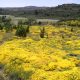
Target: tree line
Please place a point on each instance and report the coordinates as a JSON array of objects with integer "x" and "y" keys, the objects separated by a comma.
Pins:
[{"x": 65, "y": 11}]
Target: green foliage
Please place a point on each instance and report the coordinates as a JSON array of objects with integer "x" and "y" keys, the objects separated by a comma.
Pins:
[
  {"x": 42, "y": 33},
  {"x": 5, "y": 23},
  {"x": 21, "y": 31},
  {"x": 65, "y": 11},
  {"x": 3, "y": 18},
  {"x": 31, "y": 21},
  {"x": 73, "y": 23},
  {"x": 27, "y": 29},
  {"x": 1, "y": 27},
  {"x": 39, "y": 23},
  {"x": 8, "y": 27},
  {"x": 20, "y": 23}
]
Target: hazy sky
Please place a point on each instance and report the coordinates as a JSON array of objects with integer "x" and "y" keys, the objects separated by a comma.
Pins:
[{"x": 18, "y": 3}]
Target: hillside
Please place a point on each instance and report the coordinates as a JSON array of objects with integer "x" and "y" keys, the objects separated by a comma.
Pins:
[
  {"x": 54, "y": 58},
  {"x": 40, "y": 49},
  {"x": 65, "y": 11}
]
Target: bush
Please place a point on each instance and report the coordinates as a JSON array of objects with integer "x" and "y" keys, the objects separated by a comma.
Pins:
[
  {"x": 31, "y": 21},
  {"x": 8, "y": 27},
  {"x": 21, "y": 32}
]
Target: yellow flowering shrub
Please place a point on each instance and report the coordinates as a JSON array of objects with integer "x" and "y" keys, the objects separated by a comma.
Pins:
[{"x": 53, "y": 58}]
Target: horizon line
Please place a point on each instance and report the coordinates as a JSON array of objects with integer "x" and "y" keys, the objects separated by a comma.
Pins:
[{"x": 34, "y": 6}]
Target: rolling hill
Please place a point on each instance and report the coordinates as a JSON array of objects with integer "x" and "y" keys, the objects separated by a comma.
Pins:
[{"x": 65, "y": 11}]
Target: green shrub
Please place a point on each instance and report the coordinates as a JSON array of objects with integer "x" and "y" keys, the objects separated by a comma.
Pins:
[{"x": 21, "y": 32}]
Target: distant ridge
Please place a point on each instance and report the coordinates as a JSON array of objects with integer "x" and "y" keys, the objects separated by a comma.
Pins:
[
  {"x": 25, "y": 8},
  {"x": 65, "y": 11}
]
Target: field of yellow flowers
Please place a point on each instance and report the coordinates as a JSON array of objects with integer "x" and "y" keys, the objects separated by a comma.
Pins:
[{"x": 56, "y": 57}]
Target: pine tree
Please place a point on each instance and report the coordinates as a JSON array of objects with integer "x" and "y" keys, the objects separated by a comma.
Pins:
[{"x": 42, "y": 33}]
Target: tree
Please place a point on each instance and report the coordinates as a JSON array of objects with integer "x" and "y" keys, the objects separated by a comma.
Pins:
[
  {"x": 3, "y": 18},
  {"x": 27, "y": 29},
  {"x": 42, "y": 33},
  {"x": 20, "y": 23},
  {"x": 30, "y": 21},
  {"x": 6, "y": 22},
  {"x": 8, "y": 26},
  {"x": 39, "y": 23},
  {"x": 1, "y": 27},
  {"x": 36, "y": 12}
]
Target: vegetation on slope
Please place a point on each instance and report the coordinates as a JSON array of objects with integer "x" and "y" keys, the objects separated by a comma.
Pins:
[
  {"x": 65, "y": 11},
  {"x": 55, "y": 57}
]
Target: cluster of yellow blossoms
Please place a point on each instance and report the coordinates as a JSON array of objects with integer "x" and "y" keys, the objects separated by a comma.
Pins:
[{"x": 51, "y": 58}]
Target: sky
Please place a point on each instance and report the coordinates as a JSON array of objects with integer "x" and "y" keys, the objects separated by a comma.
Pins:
[{"x": 23, "y": 3}]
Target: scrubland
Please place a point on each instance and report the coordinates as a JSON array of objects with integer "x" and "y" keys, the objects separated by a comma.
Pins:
[{"x": 54, "y": 57}]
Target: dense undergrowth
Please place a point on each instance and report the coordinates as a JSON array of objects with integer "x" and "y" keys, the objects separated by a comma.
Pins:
[{"x": 55, "y": 57}]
